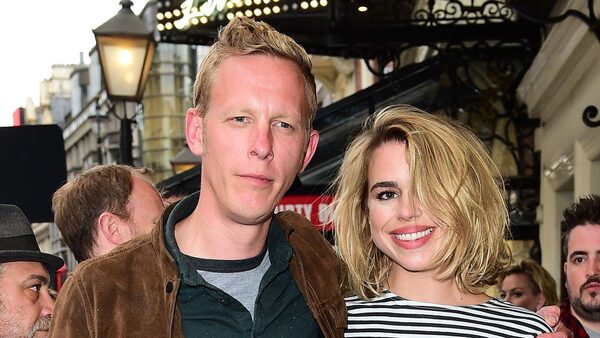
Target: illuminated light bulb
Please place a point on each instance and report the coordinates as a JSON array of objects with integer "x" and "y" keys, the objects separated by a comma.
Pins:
[
  {"x": 160, "y": 27},
  {"x": 239, "y": 14},
  {"x": 294, "y": 6},
  {"x": 168, "y": 15},
  {"x": 248, "y": 2},
  {"x": 229, "y": 4},
  {"x": 257, "y": 12},
  {"x": 160, "y": 16},
  {"x": 304, "y": 5},
  {"x": 276, "y": 9},
  {"x": 230, "y": 16},
  {"x": 194, "y": 21},
  {"x": 267, "y": 10},
  {"x": 194, "y": 9},
  {"x": 266, "y": 2},
  {"x": 168, "y": 25},
  {"x": 363, "y": 8},
  {"x": 323, "y": 3},
  {"x": 248, "y": 13},
  {"x": 203, "y": 20},
  {"x": 177, "y": 12},
  {"x": 314, "y": 4},
  {"x": 257, "y": 2}
]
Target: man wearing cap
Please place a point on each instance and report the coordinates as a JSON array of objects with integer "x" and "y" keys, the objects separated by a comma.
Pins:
[{"x": 25, "y": 302}]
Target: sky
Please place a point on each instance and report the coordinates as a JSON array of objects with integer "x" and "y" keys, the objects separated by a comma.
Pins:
[{"x": 36, "y": 34}]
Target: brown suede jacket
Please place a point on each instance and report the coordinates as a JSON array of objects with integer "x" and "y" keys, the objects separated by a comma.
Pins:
[{"x": 132, "y": 291}]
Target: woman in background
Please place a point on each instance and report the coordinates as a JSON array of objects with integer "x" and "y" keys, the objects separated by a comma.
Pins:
[
  {"x": 528, "y": 285},
  {"x": 420, "y": 220}
]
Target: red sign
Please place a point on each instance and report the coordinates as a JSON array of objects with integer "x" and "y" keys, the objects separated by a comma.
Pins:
[
  {"x": 18, "y": 117},
  {"x": 314, "y": 207}
]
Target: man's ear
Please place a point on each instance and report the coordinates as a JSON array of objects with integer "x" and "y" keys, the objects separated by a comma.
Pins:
[
  {"x": 193, "y": 131},
  {"x": 109, "y": 227},
  {"x": 311, "y": 147}
]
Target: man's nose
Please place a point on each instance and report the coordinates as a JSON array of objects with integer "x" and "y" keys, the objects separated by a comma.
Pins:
[
  {"x": 47, "y": 303},
  {"x": 262, "y": 147},
  {"x": 593, "y": 267}
]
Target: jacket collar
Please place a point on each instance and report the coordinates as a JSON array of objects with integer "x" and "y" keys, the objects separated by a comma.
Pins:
[{"x": 280, "y": 253}]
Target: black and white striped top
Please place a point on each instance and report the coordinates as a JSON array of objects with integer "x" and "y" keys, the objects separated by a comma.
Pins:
[{"x": 392, "y": 316}]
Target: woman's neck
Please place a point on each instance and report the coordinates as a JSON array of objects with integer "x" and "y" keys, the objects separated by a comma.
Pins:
[{"x": 422, "y": 286}]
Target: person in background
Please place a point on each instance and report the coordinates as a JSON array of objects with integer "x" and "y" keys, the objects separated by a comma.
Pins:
[
  {"x": 420, "y": 220},
  {"x": 220, "y": 264},
  {"x": 26, "y": 304},
  {"x": 528, "y": 285},
  {"x": 580, "y": 312},
  {"x": 104, "y": 207}
]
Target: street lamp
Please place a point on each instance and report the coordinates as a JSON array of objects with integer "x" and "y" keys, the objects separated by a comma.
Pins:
[{"x": 125, "y": 48}]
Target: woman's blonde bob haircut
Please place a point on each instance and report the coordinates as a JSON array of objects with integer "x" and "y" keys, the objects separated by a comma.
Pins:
[
  {"x": 244, "y": 36},
  {"x": 454, "y": 180}
]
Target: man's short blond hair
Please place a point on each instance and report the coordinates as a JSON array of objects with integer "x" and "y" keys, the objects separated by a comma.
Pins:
[{"x": 244, "y": 36}]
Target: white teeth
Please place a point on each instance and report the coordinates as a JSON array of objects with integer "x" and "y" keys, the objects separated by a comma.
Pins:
[{"x": 414, "y": 236}]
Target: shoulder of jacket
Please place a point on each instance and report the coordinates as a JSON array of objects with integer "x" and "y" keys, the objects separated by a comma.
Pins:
[{"x": 140, "y": 246}]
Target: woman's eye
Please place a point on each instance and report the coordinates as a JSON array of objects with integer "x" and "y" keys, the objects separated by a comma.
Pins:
[{"x": 386, "y": 195}]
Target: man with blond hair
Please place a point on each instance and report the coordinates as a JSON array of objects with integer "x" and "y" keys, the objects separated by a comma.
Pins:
[
  {"x": 104, "y": 207},
  {"x": 220, "y": 264}
]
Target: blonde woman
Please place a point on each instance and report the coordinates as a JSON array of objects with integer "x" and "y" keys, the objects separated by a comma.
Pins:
[
  {"x": 528, "y": 285},
  {"x": 420, "y": 220}
]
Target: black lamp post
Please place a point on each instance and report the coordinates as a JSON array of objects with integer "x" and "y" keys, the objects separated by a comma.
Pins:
[{"x": 125, "y": 48}]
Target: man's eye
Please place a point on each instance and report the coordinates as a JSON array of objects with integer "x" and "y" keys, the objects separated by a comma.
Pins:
[
  {"x": 518, "y": 294},
  {"x": 386, "y": 195},
  {"x": 240, "y": 119},
  {"x": 577, "y": 260},
  {"x": 284, "y": 125},
  {"x": 36, "y": 288}
]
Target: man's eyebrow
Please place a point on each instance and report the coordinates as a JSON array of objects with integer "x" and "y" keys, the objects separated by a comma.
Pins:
[
  {"x": 38, "y": 278},
  {"x": 384, "y": 184},
  {"x": 578, "y": 253}
]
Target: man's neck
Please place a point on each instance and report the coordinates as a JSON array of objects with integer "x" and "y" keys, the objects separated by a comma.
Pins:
[
  {"x": 588, "y": 325},
  {"x": 211, "y": 235}
]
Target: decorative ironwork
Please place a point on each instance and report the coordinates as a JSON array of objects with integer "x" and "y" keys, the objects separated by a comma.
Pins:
[
  {"x": 456, "y": 12},
  {"x": 589, "y": 113}
]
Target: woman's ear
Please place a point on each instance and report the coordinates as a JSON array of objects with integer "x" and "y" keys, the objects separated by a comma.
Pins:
[{"x": 541, "y": 300}]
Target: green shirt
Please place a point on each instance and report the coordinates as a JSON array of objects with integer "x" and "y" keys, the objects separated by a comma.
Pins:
[{"x": 207, "y": 311}]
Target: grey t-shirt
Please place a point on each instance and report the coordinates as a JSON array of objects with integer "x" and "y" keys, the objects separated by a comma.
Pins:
[
  {"x": 592, "y": 334},
  {"x": 238, "y": 278}
]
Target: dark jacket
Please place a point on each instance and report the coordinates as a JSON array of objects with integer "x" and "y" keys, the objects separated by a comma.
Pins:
[{"x": 132, "y": 291}]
